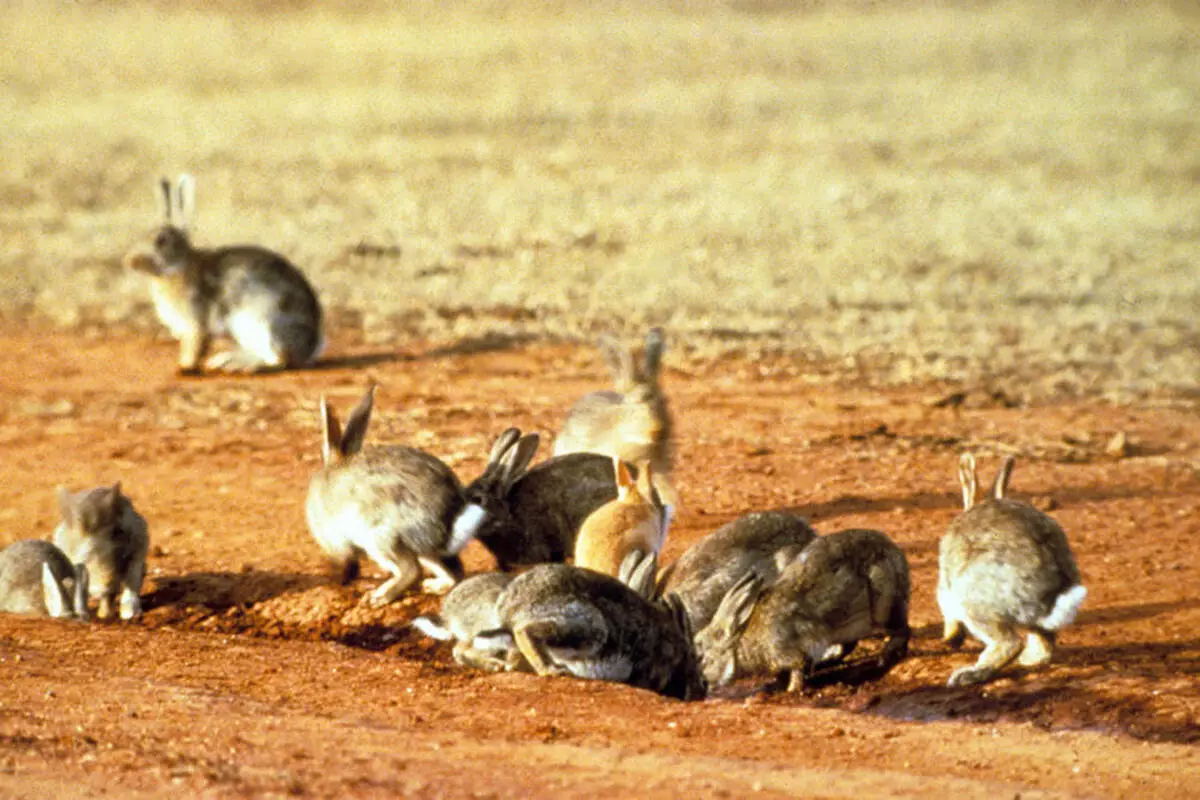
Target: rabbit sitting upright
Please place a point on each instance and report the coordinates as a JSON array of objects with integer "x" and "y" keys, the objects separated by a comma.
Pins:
[
  {"x": 631, "y": 422},
  {"x": 1004, "y": 568},
  {"x": 101, "y": 530},
  {"x": 36, "y": 578},
  {"x": 253, "y": 295},
  {"x": 634, "y": 521},
  {"x": 401, "y": 507},
  {"x": 842, "y": 588}
]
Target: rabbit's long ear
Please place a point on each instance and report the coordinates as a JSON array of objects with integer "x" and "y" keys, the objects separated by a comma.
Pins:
[
  {"x": 738, "y": 604},
  {"x": 1000, "y": 487},
  {"x": 167, "y": 199},
  {"x": 618, "y": 359},
  {"x": 517, "y": 459},
  {"x": 623, "y": 477},
  {"x": 356, "y": 423},
  {"x": 52, "y": 594},
  {"x": 501, "y": 445},
  {"x": 185, "y": 201},
  {"x": 966, "y": 477},
  {"x": 652, "y": 358},
  {"x": 331, "y": 434},
  {"x": 637, "y": 572}
]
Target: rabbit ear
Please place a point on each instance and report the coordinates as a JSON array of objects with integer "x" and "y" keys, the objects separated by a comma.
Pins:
[
  {"x": 82, "y": 579},
  {"x": 501, "y": 445},
  {"x": 168, "y": 202},
  {"x": 1000, "y": 487},
  {"x": 331, "y": 434},
  {"x": 356, "y": 423},
  {"x": 618, "y": 359},
  {"x": 966, "y": 477},
  {"x": 637, "y": 572},
  {"x": 738, "y": 604},
  {"x": 185, "y": 201},
  {"x": 652, "y": 358},
  {"x": 52, "y": 593},
  {"x": 623, "y": 477},
  {"x": 516, "y": 460}
]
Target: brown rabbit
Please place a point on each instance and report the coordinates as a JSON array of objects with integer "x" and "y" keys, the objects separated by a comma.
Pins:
[
  {"x": 634, "y": 521},
  {"x": 1004, "y": 568},
  {"x": 631, "y": 422}
]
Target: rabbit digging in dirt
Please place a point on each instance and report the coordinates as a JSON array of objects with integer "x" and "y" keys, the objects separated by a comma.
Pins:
[
  {"x": 469, "y": 609},
  {"x": 101, "y": 530},
  {"x": 253, "y": 295},
  {"x": 764, "y": 542},
  {"x": 399, "y": 506},
  {"x": 632, "y": 522},
  {"x": 36, "y": 578},
  {"x": 570, "y": 621},
  {"x": 532, "y": 515},
  {"x": 1004, "y": 568},
  {"x": 631, "y": 422},
  {"x": 842, "y": 588}
]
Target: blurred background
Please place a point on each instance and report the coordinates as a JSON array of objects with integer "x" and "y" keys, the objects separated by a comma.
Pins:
[{"x": 1006, "y": 192}]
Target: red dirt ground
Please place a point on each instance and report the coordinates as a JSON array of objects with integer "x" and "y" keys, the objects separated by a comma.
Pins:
[{"x": 251, "y": 673}]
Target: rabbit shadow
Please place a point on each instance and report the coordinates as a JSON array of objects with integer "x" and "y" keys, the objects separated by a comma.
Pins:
[
  {"x": 490, "y": 342},
  {"x": 1132, "y": 612},
  {"x": 223, "y": 590},
  {"x": 353, "y": 361}
]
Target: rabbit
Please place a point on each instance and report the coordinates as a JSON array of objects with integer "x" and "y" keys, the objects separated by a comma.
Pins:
[
  {"x": 841, "y": 588},
  {"x": 1004, "y": 568},
  {"x": 531, "y": 516},
  {"x": 764, "y": 541},
  {"x": 634, "y": 521},
  {"x": 253, "y": 295},
  {"x": 565, "y": 620},
  {"x": 631, "y": 422},
  {"x": 37, "y": 578},
  {"x": 469, "y": 609},
  {"x": 401, "y": 507},
  {"x": 101, "y": 530}
]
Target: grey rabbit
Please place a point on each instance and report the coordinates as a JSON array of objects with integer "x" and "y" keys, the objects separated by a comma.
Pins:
[
  {"x": 469, "y": 609},
  {"x": 251, "y": 294},
  {"x": 101, "y": 529},
  {"x": 1004, "y": 568},
  {"x": 631, "y": 422},
  {"x": 565, "y": 620},
  {"x": 764, "y": 542},
  {"x": 401, "y": 507},
  {"x": 532, "y": 515},
  {"x": 842, "y": 588},
  {"x": 36, "y": 578}
]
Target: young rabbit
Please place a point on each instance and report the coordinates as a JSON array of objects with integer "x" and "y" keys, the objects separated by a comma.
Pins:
[
  {"x": 37, "y": 578},
  {"x": 843, "y": 587},
  {"x": 634, "y": 521},
  {"x": 101, "y": 530},
  {"x": 570, "y": 621},
  {"x": 1004, "y": 568},
  {"x": 764, "y": 542},
  {"x": 630, "y": 423},
  {"x": 469, "y": 609},
  {"x": 255, "y": 296},
  {"x": 400, "y": 506},
  {"x": 531, "y": 516}
]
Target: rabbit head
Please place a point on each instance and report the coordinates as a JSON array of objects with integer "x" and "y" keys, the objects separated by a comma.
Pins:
[
  {"x": 91, "y": 513},
  {"x": 338, "y": 443},
  {"x": 717, "y": 644},
  {"x": 687, "y": 681},
  {"x": 171, "y": 249},
  {"x": 634, "y": 377}
]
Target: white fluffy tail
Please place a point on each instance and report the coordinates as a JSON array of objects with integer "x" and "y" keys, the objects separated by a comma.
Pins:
[
  {"x": 1066, "y": 606},
  {"x": 433, "y": 628},
  {"x": 466, "y": 525}
]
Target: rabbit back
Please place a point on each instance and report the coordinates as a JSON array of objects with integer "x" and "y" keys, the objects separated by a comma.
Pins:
[
  {"x": 764, "y": 541},
  {"x": 1006, "y": 561},
  {"x": 384, "y": 499},
  {"x": 634, "y": 428},
  {"x": 22, "y": 568},
  {"x": 470, "y": 607}
]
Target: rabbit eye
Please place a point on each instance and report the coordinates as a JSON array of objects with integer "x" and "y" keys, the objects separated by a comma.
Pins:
[{"x": 161, "y": 240}]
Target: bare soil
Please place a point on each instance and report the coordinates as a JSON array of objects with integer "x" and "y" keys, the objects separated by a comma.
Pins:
[{"x": 253, "y": 674}]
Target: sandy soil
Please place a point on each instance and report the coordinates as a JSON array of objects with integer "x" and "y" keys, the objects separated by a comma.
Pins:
[{"x": 253, "y": 674}]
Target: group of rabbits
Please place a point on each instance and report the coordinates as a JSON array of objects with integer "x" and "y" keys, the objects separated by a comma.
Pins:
[{"x": 762, "y": 596}]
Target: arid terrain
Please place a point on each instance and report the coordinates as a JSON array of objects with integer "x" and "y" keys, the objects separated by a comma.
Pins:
[
  {"x": 876, "y": 233},
  {"x": 253, "y": 673}
]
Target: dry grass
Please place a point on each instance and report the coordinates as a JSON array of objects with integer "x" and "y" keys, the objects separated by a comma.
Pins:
[{"x": 914, "y": 190}]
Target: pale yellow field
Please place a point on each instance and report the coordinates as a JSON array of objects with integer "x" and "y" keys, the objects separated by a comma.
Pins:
[{"x": 1005, "y": 191}]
